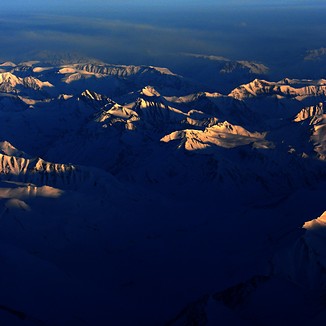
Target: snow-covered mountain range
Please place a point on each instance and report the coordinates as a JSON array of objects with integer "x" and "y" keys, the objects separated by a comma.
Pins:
[{"x": 130, "y": 195}]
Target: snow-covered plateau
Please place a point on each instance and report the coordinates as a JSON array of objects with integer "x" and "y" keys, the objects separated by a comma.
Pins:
[{"x": 130, "y": 195}]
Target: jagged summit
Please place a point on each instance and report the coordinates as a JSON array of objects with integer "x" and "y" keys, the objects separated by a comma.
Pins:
[
  {"x": 93, "y": 95},
  {"x": 311, "y": 112},
  {"x": 9, "y": 81},
  {"x": 317, "y": 224},
  {"x": 194, "y": 97},
  {"x": 120, "y": 70},
  {"x": 221, "y": 134},
  {"x": 294, "y": 88},
  {"x": 150, "y": 91},
  {"x": 17, "y": 166},
  {"x": 7, "y": 149}
]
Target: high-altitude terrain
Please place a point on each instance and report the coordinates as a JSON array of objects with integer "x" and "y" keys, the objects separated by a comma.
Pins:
[{"x": 130, "y": 195}]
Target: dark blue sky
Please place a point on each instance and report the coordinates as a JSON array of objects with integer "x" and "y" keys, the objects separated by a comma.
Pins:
[{"x": 154, "y": 32}]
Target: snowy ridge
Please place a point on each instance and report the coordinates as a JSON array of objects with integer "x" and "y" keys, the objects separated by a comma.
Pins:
[
  {"x": 75, "y": 72},
  {"x": 303, "y": 260},
  {"x": 114, "y": 114},
  {"x": 95, "y": 100},
  {"x": 120, "y": 70},
  {"x": 319, "y": 136},
  {"x": 157, "y": 113},
  {"x": 193, "y": 97},
  {"x": 221, "y": 134},
  {"x": 317, "y": 120},
  {"x": 287, "y": 88},
  {"x": 317, "y": 224},
  {"x": 7, "y": 149},
  {"x": 8, "y": 64},
  {"x": 9, "y": 81},
  {"x": 39, "y": 172},
  {"x": 310, "y": 112}
]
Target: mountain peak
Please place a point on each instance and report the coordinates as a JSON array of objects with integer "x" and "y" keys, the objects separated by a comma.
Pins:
[
  {"x": 8, "y": 77},
  {"x": 310, "y": 112},
  {"x": 317, "y": 223},
  {"x": 8, "y": 149},
  {"x": 8, "y": 64},
  {"x": 150, "y": 91},
  {"x": 93, "y": 95},
  {"x": 163, "y": 70}
]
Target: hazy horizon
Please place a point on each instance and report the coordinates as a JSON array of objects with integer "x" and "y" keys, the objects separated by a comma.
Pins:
[{"x": 277, "y": 33}]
